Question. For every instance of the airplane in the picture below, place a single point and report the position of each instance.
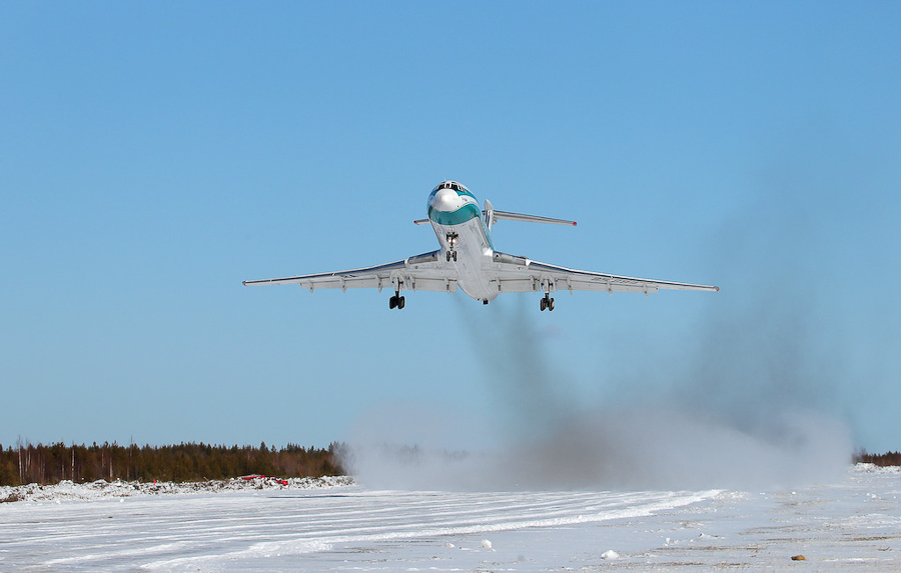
(467, 260)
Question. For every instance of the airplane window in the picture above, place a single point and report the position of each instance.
(451, 185)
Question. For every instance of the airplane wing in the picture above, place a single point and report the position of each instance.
(423, 272)
(519, 274)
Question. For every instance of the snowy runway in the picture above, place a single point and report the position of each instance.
(854, 525)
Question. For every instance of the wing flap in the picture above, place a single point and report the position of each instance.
(420, 272)
(519, 274)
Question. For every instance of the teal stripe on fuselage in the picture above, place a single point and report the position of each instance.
(461, 215)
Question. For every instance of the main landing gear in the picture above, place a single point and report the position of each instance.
(547, 303)
(396, 301)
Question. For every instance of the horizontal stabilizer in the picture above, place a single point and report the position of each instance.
(530, 218)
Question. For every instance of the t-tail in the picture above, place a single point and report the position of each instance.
(491, 215)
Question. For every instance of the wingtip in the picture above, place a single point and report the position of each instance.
(575, 223)
(244, 283)
(717, 289)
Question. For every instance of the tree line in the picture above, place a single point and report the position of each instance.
(28, 463)
(886, 459)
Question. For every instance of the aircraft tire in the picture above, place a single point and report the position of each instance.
(392, 302)
(401, 301)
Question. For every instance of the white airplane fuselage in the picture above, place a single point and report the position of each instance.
(464, 238)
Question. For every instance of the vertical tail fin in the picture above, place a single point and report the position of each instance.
(489, 214)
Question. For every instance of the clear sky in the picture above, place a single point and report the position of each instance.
(154, 155)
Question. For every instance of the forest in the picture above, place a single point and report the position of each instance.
(887, 459)
(47, 464)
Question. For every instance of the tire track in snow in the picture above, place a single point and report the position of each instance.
(181, 533)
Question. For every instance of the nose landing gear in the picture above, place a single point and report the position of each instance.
(451, 253)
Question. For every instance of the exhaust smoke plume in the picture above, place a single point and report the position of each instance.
(741, 416)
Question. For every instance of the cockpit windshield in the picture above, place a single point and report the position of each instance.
(451, 185)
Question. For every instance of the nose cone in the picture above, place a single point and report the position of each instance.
(445, 200)
(452, 204)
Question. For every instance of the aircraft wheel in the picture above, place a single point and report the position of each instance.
(455, 256)
(392, 302)
(400, 302)
(543, 304)
(447, 256)
(550, 304)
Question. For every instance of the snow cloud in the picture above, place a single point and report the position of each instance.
(738, 416)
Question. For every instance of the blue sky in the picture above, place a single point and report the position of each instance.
(154, 155)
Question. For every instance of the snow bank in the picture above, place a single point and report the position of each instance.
(67, 490)
(874, 469)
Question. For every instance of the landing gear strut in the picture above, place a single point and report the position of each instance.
(451, 253)
(396, 301)
(547, 302)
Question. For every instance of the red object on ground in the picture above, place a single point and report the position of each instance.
(281, 481)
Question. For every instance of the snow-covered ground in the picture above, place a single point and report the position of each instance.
(102, 489)
(310, 525)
